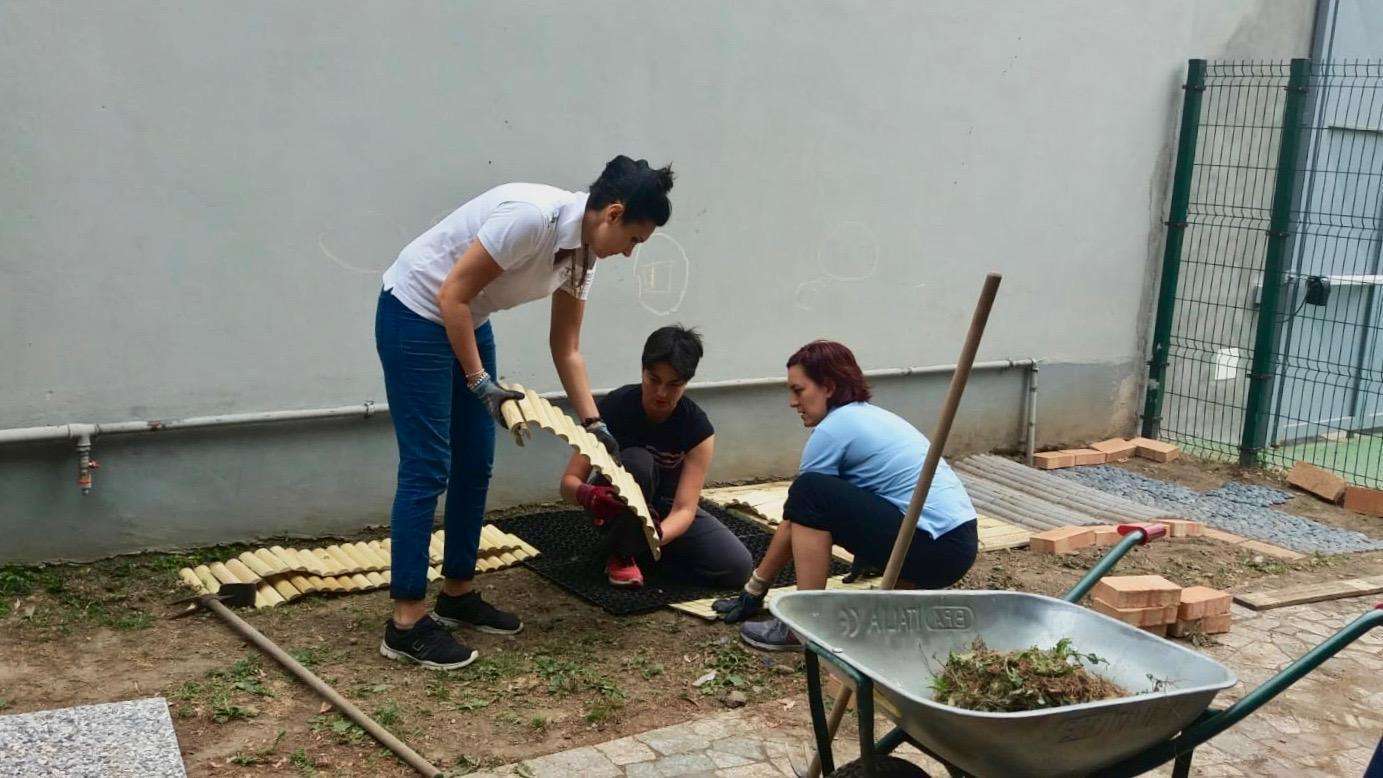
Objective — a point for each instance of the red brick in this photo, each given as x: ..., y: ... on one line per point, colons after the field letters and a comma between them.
x: 1200, y: 601
x: 1062, y: 540
x: 1138, y: 617
x: 1363, y: 500
x: 1222, y: 536
x: 1116, y: 449
x: 1318, y: 481
x: 1137, y: 591
x: 1086, y: 456
x: 1181, y: 528
x: 1106, y: 535
x: 1053, y: 460
x: 1157, y: 629
x: 1209, y: 625
x: 1156, y: 450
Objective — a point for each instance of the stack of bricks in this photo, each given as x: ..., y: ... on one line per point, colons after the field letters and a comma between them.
x: 1201, y: 610
x: 1149, y: 602
x: 1066, y: 540
x: 1112, y: 450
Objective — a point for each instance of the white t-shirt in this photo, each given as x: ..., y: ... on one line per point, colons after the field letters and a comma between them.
x: 522, y: 226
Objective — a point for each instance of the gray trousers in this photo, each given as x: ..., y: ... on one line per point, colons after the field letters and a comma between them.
x: 707, y: 554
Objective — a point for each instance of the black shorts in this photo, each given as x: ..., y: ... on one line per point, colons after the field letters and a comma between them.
x: 866, y: 525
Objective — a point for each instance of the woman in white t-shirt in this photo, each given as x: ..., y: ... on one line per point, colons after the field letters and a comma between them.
x: 513, y: 244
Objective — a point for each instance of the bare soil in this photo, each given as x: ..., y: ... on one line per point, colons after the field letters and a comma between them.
x: 79, y: 634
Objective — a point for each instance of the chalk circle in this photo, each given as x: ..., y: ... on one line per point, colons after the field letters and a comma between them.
x: 661, y: 274
x: 849, y: 252
x: 811, y: 293
x: 371, y: 236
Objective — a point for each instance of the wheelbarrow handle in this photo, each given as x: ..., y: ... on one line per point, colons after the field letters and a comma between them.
x: 1133, y: 535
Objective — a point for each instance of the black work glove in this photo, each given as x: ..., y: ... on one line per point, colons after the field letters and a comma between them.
x: 602, y: 434
x: 739, y: 607
x: 494, y: 395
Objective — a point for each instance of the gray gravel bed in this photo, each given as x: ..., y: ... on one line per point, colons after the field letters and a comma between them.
x: 1235, y: 507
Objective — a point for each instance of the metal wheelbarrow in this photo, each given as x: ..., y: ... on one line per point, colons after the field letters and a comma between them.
x: 895, y: 642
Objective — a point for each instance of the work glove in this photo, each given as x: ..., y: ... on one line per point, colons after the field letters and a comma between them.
x: 739, y: 607
x: 600, y: 501
x: 494, y: 395
x: 602, y: 433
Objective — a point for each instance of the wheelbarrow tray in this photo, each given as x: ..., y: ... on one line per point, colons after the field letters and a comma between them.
x: 901, y: 640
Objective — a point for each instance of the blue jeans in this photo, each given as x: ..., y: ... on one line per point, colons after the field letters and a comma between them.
x: 446, y: 443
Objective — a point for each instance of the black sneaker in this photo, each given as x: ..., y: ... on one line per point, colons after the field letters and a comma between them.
x: 470, y: 610
x: 428, y: 644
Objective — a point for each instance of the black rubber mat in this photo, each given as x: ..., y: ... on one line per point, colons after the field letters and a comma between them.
x: 572, y: 558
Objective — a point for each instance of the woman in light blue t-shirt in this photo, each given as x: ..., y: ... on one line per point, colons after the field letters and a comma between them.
x: 858, y: 472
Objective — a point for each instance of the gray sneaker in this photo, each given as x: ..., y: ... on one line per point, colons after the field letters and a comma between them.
x: 769, y: 635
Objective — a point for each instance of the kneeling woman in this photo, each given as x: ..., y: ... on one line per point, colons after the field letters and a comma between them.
x: 857, y: 476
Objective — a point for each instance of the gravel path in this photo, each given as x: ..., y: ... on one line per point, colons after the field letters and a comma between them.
x: 1243, y: 509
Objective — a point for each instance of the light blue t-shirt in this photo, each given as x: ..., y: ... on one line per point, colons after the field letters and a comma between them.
x: 882, y: 453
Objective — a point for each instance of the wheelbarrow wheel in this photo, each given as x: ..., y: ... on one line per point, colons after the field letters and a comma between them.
x: 884, y: 767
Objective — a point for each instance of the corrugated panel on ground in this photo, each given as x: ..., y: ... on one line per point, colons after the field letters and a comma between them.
x: 764, y: 502
x: 283, y: 574
x: 533, y: 411
x: 1038, y: 500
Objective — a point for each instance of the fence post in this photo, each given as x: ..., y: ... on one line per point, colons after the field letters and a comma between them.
x: 1171, y: 251
x: 1264, y: 365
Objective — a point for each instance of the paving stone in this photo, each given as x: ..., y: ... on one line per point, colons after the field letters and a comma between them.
x: 674, y: 740
x: 119, y: 738
x: 585, y: 761
x: 756, y: 770
x: 685, y: 764
x: 625, y: 751
x: 723, y: 759
x: 741, y: 746
x: 717, y: 727
x: 642, y: 770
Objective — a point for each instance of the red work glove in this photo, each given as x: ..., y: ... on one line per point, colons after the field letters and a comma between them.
x: 600, y: 501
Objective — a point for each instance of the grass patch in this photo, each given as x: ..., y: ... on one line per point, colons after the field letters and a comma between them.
x: 735, y: 668
x: 258, y: 756
x: 222, y: 693
x: 340, y: 729
x: 303, y: 763
x: 998, y: 682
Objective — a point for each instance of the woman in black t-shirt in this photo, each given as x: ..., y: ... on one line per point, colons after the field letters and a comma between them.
x: 666, y: 443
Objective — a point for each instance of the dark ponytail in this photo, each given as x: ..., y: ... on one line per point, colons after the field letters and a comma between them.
x: 641, y: 189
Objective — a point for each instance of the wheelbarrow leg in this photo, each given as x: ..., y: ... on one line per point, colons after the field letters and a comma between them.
x: 818, y: 708
x: 864, y: 706
x: 1182, y: 767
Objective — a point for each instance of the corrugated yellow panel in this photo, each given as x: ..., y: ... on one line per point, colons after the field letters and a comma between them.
x: 285, y: 588
x: 345, y: 564
x: 209, y: 581
x: 222, y: 574
x: 191, y: 581
x: 255, y: 564
x: 242, y: 573
x: 276, y: 566
x: 266, y: 594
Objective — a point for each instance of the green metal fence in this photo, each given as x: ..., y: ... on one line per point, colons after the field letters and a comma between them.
x: 1265, y: 343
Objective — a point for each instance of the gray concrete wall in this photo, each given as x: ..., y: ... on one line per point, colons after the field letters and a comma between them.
x: 198, y: 202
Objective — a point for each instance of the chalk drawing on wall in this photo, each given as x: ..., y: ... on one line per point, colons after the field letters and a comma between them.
x: 367, y: 244
x: 849, y: 252
x: 662, y: 274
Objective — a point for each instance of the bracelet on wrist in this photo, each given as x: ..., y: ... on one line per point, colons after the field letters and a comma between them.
x: 473, y: 379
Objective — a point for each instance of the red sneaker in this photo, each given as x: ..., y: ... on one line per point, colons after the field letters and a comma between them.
x: 623, y: 573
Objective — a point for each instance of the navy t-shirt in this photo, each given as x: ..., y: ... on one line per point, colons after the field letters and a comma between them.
x: 668, y: 442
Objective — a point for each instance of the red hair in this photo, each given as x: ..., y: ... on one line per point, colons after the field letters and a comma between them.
x: 829, y: 362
